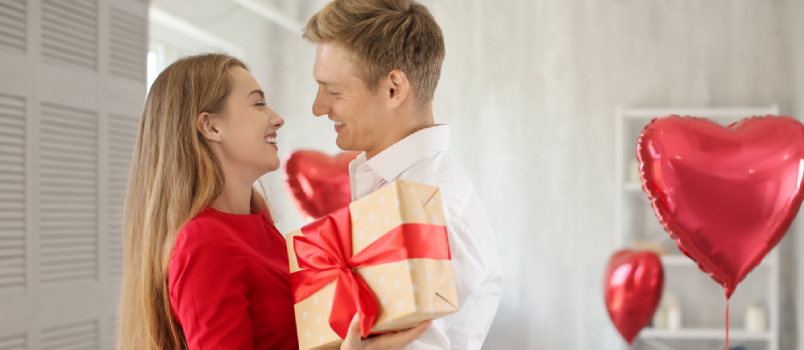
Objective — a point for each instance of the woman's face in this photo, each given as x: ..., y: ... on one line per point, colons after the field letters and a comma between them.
x: 247, y: 128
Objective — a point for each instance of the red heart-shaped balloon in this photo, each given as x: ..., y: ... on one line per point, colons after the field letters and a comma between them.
x: 318, y: 183
x: 725, y: 195
x: 633, y: 287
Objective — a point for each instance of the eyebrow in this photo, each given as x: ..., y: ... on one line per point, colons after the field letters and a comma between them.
x: 323, y: 82
x: 257, y: 91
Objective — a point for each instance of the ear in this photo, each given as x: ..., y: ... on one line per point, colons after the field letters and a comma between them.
x: 398, y: 87
x: 205, y: 125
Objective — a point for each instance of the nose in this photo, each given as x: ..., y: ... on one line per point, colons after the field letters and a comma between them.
x: 277, y: 121
x: 320, y: 105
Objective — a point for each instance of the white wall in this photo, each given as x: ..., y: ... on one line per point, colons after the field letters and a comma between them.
x: 530, y: 88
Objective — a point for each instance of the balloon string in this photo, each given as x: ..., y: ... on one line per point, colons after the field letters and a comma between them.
x: 727, y: 324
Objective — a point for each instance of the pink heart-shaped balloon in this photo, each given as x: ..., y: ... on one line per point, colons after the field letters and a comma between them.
x: 633, y: 287
x: 725, y: 195
x: 318, y: 183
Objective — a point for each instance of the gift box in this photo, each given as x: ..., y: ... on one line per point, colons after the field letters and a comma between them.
x: 385, y: 256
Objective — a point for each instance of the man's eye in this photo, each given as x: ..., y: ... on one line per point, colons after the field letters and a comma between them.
x: 333, y: 93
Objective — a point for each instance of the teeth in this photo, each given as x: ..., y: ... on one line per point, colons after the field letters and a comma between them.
x: 337, y: 123
x: 270, y: 139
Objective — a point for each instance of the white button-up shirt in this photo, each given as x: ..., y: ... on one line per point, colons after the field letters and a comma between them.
x: 423, y: 157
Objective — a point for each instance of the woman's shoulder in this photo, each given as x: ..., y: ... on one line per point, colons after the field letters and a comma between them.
x: 205, y: 231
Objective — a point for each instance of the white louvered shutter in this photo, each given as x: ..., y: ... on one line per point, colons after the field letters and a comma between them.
x: 123, y: 134
x: 68, y: 195
x: 12, y: 192
x: 72, y: 84
x: 13, y: 25
x: 126, y: 45
x: 70, y: 33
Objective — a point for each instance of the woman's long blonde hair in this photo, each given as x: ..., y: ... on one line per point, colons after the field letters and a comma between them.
x: 174, y: 176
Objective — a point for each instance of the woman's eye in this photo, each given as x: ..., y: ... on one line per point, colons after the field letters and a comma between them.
x: 260, y: 104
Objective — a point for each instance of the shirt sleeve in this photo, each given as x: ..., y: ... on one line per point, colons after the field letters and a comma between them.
x: 208, y: 278
x: 478, y: 282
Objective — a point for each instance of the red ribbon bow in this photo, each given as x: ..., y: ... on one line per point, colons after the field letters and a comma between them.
x: 325, y: 254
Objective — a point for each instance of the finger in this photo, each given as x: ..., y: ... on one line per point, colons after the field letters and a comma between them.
x: 352, y: 340
x: 416, y: 332
x: 398, y: 340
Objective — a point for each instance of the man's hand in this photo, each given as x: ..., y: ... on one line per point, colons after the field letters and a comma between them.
x: 391, y: 341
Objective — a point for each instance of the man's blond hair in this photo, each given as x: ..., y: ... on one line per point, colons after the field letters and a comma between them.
x: 383, y: 35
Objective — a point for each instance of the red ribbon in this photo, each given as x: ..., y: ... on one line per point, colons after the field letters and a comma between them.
x: 325, y: 254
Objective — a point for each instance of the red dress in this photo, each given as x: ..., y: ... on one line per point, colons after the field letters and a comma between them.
x: 229, y: 283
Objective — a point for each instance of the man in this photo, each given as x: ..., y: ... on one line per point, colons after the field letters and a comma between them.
x: 377, y: 65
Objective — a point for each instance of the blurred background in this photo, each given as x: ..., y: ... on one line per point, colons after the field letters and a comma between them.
x: 545, y: 97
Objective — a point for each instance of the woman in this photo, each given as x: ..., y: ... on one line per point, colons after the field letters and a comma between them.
x: 205, y: 268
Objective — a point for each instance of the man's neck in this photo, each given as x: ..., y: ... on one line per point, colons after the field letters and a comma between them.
x: 418, y: 122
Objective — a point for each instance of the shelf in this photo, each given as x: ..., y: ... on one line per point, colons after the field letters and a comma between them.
x: 703, y: 334
x: 677, y: 260
x: 682, y: 260
x: 710, y: 113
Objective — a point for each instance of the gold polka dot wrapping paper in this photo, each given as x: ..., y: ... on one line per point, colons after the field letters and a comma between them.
x: 407, y: 292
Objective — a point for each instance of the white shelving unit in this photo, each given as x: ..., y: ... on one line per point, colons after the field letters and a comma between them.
x: 703, y: 300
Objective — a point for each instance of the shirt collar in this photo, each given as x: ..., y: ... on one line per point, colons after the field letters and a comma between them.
x: 395, y: 159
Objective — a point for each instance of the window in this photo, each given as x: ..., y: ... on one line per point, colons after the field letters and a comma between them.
x: 172, y: 38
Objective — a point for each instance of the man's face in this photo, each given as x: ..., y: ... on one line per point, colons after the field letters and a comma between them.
x: 361, y: 115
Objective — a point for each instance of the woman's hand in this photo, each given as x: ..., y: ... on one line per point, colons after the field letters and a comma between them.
x: 390, y: 341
